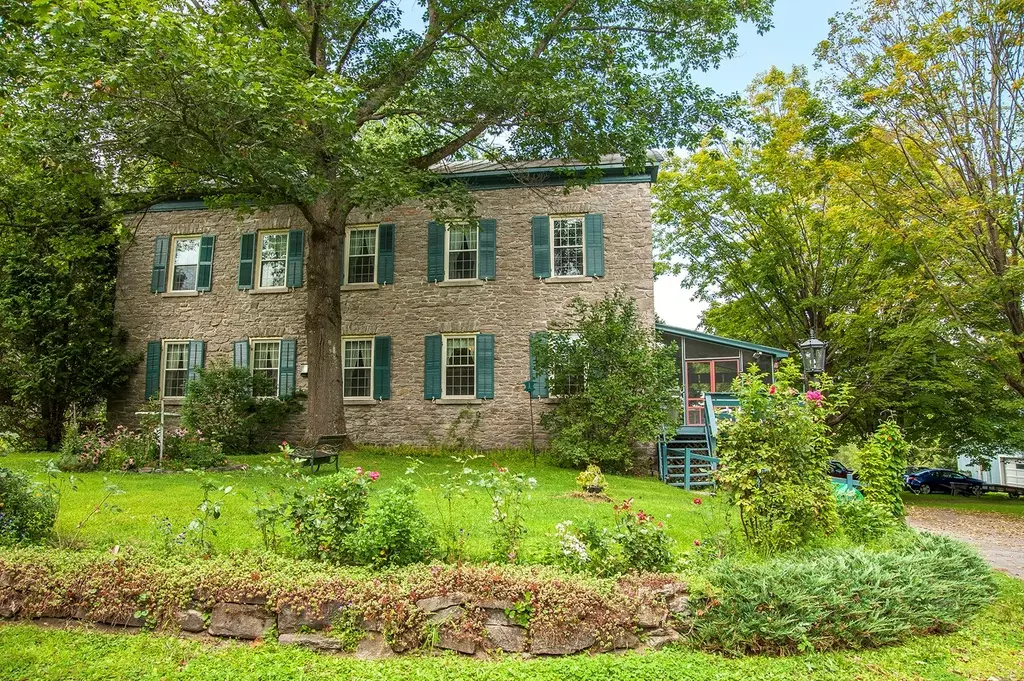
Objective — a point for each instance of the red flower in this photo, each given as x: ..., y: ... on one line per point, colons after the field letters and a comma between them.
x: 696, y: 542
x: 771, y: 390
x: 698, y: 501
x: 373, y: 475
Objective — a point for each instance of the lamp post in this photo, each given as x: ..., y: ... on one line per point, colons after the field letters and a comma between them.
x: 812, y: 354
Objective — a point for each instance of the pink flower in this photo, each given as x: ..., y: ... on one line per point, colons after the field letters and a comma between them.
x: 815, y: 396
x: 374, y: 475
x: 698, y: 501
x: 696, y: 542
x: 771, y: 390
x: 359, y: 470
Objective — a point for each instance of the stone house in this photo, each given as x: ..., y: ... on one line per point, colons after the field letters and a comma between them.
x: 437, y: 318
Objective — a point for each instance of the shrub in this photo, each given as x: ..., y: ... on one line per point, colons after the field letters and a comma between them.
x: 85, y: 451
x: 509, y: 493
x: 616, y: 380
x: 774, y: 459
x: 327, y: 512
x: 591, y: 479
x: 882, y: 463
x: 849, y: 598
x: 27, y: 512
x: 863, y: 521
x: 220, y: 404
x: 394, y: 532
x: 636, y: 544
x: 184, y: 448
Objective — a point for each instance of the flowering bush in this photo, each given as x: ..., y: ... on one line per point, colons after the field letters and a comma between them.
x: 184, y: 448
x: 327, y: 512
x: 591, y: 479
x: 27, y: 511
x: 509, y: 493
x: 125, y: 449
x: 394, y: 532
x: 774, y: 458
x: 637, y: 543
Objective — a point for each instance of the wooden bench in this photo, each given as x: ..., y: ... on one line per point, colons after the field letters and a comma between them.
x: 324, y: 451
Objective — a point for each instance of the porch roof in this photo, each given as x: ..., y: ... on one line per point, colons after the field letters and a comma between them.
x: 721, y: 340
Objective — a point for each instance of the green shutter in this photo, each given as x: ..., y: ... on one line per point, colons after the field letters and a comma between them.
x: 382, y: 368
x: 296, y: 246
x: 204, y: 278
x: 435, y: 252
x: 196, y: 359
x: 594, y: 238
x: 540, y: 380
x: 486, y: 248
x: 161, y: 252
x: 386, y: 254
x: 153, y: 349
x: 247, y: 261
x: 541, y: 246
x: 240, y: 354
x: 286, y: 373
x: 432, y: 367
x: 485, y: 366
x: 341, y: 257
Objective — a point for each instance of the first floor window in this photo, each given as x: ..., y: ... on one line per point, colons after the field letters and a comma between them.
x: 570, y: 380
x: 357, y: 378
x: 185, y: 266
x: 462, y: 239
x: 460, y: 366
x: 175, y: 368
x: 567, y: 246
x: 273, y: 259
x: 361, y: 263
x: 266, y: 362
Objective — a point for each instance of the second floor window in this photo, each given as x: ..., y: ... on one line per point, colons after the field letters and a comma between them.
x: 361, y: 255
x: 273, y: 254
x: 357, y: 377
x: 266, y: 362
x: 185, y: 267
x: 175, y: 368
x: 460, y: 366
x: 461, y: 246
x: 567, y: 246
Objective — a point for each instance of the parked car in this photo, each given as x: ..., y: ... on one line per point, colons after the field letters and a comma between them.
x: 941, y: 480
x: 913, y: 469
x: 837, y: 469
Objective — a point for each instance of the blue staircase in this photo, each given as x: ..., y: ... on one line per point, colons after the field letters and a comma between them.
x: 687, y: 458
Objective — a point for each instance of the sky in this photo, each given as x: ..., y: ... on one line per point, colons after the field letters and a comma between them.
x: 798, y: 26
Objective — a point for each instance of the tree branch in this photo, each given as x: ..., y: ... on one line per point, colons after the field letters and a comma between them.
x: 350, y: 45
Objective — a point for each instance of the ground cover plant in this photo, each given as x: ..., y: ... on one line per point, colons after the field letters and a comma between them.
x: 989, y: 647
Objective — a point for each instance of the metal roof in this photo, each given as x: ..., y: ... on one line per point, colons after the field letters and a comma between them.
x: 721, y: 340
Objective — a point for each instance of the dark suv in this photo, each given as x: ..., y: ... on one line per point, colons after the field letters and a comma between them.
x: 941, y: 480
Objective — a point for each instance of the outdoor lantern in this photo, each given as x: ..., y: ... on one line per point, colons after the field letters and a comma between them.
x: 812, y: 353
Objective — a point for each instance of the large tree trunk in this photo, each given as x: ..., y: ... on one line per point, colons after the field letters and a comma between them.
x: 325, y: 410
x: 52, y: 411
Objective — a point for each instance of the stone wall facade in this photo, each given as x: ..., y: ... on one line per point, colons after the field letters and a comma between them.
x: 511, y: 306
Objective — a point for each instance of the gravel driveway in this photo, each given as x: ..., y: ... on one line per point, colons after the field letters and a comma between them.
x: 998, y: 538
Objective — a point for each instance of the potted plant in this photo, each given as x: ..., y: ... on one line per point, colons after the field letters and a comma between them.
x: 591, y: 480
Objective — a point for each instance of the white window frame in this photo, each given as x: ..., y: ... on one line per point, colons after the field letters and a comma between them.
x: 376, y: 250
x: 444, y: 364
x: 345, y: 340
x: 573, y: 335
x: 259, y: 259
x: 170, y: 270
x: 583, y: 243
x: 252, y: 364
x: 164, y: 355
x: 447, y: 247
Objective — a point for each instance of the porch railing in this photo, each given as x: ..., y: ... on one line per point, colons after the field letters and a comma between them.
x: 717, y: 406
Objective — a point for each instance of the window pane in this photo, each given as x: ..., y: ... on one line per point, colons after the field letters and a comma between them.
x: 265, y: 357
x: 568, y: 232
x: 462, y: 248
x: 186, y: 251
x: 273, y: 253
x: 460, y: 367
x: 175, y: 369
x: 462, y: 265
x: 185, y: 264
x: 362, y: 242
x: 358, y: 368
x: 274, y: 246
x: 568, y: 262
x: 567, y: 241
x: 184, y: 278
x: 272, y: 273
x: 462, y: 237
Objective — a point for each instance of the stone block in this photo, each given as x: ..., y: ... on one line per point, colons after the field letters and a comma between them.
x: 659, y: 638
x: 190, y: 620
x: 547, y: 641
x: 651, y: 616
x: 239, y: 620
x: 451, y: 613
x: 435, y: 603
x: 456, y: 640
x: 293, y: 618
x: 374, y: 647
x: 509, y: 639
x: 317, y: 642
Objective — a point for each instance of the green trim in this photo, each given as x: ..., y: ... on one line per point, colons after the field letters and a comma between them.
x: 722, y: 340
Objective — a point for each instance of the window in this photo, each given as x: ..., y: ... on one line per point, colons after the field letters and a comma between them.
x: 175, y: 370
x: 273, y: 259
x: 567, y: 246
x: 185, y: 266
x: 460, y: 250
x: 361, y: 255
x: 460, y: 366
x: 266, y: 361
x: 571, y: 383
x: 357, y: 377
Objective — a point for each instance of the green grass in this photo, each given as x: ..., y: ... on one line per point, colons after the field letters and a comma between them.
x: 990, y: 647
x: 987, y: 503
x: 149, y: 497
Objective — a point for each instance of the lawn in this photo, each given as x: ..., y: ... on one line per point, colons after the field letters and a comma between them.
x: 990, y: 647
x: 988, y: 503
x: 150, y: 497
